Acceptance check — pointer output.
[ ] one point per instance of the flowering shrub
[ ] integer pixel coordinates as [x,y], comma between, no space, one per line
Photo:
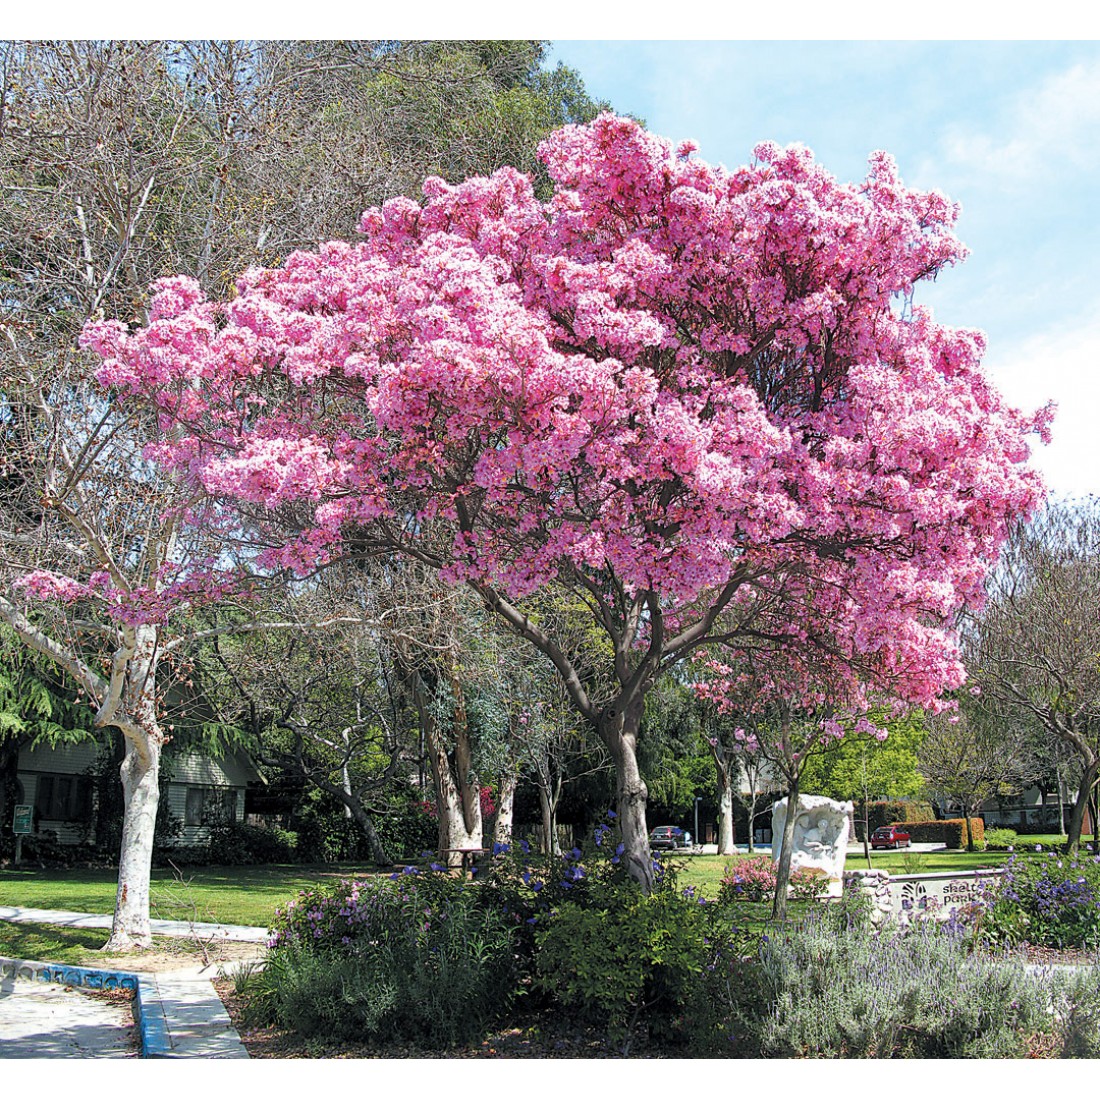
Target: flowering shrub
[416,957]
[808,884]
[751,879]
[1052,900]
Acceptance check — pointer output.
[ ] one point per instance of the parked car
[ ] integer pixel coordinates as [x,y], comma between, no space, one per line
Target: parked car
[890,836]
[669,836]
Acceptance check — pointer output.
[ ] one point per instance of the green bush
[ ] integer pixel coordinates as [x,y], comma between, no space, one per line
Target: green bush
[237,844]
[1000,840]
[1050,900]
[951,832]
[887,812]
[638,959]
[821,991]
[414,958]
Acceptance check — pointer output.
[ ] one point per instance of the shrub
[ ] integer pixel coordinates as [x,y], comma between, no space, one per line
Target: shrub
[808,884]
[1077,1009]
[606,966]
[821,991]
[1000,840]
[236,844]
[1051,900]
[951,832]
[751,879]
[887,812]
[415,957]
[954,832]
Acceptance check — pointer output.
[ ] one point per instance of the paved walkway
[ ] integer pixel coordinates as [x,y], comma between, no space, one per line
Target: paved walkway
[184,928]
[50,1020]
[178,1012]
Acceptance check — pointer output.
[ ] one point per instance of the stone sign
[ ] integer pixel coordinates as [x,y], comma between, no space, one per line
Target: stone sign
[937,895]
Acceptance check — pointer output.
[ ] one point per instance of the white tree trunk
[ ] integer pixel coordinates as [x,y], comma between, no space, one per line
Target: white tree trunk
[134,712]
[141,795]
[726,840]
[502,827]
[620,735]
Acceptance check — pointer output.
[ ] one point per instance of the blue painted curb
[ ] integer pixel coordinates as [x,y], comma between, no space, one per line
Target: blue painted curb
[148,1012]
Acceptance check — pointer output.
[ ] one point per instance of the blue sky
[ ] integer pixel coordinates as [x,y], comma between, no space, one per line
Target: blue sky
[1010,129]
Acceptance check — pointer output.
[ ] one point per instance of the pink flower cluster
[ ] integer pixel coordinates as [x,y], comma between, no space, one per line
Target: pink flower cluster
[667,377]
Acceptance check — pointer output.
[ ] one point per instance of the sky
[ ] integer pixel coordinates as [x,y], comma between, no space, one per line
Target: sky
[1008,129]
[1002,116]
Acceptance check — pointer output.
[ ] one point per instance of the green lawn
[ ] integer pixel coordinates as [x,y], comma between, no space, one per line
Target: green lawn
[249,895]
[704,872]
[231,895]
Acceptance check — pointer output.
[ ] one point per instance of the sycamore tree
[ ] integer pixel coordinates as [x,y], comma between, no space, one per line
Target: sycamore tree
[1035,646]
[125,161]
[699,401]
[972,754]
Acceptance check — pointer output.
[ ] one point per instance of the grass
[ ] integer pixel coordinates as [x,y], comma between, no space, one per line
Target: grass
[704,872]
[52,943]
[229,895]
[250,895]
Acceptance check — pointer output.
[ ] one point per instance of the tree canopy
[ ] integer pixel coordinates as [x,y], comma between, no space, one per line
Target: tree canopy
[699,400]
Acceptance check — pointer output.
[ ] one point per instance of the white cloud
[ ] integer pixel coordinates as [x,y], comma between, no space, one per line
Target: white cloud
[1062,365]
[1046,128]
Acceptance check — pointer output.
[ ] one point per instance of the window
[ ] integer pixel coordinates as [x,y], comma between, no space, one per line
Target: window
[64,798]
[210,806]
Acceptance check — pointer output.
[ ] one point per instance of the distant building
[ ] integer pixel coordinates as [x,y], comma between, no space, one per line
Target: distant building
[60,784]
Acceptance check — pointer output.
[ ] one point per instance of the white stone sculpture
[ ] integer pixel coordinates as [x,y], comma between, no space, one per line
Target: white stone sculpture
[820,836]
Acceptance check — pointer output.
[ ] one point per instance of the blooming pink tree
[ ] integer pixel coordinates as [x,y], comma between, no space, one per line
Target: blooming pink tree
[700,401]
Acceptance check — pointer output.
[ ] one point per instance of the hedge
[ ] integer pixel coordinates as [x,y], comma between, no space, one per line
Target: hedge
[886,813]
[952,832]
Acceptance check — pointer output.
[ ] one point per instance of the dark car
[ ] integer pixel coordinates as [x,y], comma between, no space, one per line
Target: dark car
[890,836]
[669,836]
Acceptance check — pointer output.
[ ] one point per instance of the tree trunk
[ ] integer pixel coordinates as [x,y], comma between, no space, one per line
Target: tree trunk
[1077,817]
[619,731]
[459,819]
[140,773]
[502,826]
[355,811]
[135,715]
[783,871]
[548,806]
[727,843]
[469,789]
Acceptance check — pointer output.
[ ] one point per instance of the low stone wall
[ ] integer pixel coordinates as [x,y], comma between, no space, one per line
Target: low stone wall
[904,898]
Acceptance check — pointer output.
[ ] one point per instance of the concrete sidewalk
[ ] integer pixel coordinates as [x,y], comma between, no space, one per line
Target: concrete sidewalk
[182,928]
[178,1013]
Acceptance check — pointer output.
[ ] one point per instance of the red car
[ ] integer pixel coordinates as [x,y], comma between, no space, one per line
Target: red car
[890,836]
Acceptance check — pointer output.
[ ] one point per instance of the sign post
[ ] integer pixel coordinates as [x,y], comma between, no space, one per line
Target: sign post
[22,825]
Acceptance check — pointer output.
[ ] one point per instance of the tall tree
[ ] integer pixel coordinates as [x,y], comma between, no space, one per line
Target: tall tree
[122,162]
[1034,647]
[973,755]
[697,400]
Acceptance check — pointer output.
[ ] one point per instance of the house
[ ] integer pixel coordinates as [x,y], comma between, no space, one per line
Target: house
[60,783]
